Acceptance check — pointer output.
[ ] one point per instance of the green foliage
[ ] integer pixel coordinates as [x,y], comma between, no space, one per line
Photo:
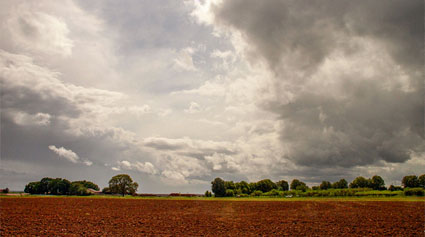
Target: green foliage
[208,194]
[360,182]
[273,193]
[257,193]
[295,183]
[57,186]
[33,188]
[218,187]
[421,181]
[122,184]
[410,181]
[414,192]
[341,184]
[230,193]
[88,184]
[265,185]
[78,189]
[325,185]
[282,185]
[393,188]
[377,183]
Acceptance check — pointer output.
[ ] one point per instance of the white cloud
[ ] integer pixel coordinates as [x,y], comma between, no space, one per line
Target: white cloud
[22,118]
[39,32]
[184,59]
[67,154]
[193,108]
[146,167]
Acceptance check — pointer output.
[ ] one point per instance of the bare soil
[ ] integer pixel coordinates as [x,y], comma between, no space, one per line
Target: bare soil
[118,217]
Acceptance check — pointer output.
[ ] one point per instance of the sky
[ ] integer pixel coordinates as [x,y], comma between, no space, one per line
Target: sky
[177,93]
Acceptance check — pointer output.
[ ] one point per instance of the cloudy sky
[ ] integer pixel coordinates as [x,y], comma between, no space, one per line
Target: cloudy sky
[176,93]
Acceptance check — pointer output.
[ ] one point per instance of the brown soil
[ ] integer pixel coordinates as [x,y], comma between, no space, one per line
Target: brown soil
[114,216]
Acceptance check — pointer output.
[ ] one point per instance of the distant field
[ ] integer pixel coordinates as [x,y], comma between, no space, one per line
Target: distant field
[196,217]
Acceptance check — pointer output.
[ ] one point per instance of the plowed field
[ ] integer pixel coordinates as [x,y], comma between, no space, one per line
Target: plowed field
[117,217]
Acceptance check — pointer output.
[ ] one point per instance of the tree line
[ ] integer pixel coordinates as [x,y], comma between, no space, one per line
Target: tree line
[119,184]
[222,188]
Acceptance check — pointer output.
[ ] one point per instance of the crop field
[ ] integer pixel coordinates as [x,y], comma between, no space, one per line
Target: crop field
[170,217]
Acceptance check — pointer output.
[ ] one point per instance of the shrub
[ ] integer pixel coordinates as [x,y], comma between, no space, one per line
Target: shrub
[272,193]
[230,193]
[414,192]
[257,193]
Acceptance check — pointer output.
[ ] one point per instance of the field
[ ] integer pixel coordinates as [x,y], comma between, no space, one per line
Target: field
[191,217]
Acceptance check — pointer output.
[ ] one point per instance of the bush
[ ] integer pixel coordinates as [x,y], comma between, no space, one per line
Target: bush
[414,192]
[257,193]
[272,193]
[6,190]
[230,193]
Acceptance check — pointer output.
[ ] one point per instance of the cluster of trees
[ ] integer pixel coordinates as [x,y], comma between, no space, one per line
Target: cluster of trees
[59,186]
[119,184]
[222,188]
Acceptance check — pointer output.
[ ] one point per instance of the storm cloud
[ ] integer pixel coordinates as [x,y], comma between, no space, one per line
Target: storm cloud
[348,75]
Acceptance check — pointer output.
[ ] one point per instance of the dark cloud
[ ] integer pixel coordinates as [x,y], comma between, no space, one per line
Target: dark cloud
[345,116]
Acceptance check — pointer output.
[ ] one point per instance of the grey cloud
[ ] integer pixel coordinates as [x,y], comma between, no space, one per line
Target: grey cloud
[346,116]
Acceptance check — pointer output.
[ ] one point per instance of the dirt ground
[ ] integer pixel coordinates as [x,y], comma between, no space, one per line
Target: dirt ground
[117,217]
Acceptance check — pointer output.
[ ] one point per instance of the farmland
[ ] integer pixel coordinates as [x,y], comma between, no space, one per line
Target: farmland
[193,217]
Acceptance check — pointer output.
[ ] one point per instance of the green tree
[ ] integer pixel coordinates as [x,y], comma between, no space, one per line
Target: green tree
[88,184]
[244,187]
[230,193]
[78,189]
[58,186]
[218,187]
[33,188]
[341,184]
[377,183]
[208,194]
[360,182]
[410,181]
[229,185]
[282,185]
[122,184]
[265,185]
[325,185]
[44,185]
[421,181]
[295,183]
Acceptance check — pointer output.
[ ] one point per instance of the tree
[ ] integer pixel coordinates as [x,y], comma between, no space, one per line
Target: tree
[208,194]
[341,184]
[58,186]
[6,190]
[421,181]
[265,185]
[122,184]
[88,184]
[295,183]
[33,188]
[410,181]
[377,183]
[44,185]
[325,185]
[218,187]
[78,189]
[244,187]
[360,182]
[282,185]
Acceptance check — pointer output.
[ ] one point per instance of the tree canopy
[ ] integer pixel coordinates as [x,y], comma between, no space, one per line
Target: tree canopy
[122,184]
